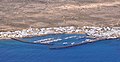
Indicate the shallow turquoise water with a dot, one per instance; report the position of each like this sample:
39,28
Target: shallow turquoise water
103,51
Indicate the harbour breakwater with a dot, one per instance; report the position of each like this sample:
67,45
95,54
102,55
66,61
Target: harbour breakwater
79,44
29,42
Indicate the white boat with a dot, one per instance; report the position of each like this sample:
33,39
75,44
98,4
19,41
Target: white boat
65,43
72,43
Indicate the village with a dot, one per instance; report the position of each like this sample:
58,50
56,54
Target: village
92,32
102,32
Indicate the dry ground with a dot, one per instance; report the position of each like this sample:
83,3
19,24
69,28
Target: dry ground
20,14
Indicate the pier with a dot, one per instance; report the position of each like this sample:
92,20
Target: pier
20,40
78,44
62,47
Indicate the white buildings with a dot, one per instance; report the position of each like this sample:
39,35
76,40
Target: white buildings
108,32
105,32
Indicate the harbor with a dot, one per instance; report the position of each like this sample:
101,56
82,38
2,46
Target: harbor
95,33
50,41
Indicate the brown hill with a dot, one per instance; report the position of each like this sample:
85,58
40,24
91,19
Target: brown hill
20,14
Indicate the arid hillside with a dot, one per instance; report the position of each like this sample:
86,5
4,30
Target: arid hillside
20,14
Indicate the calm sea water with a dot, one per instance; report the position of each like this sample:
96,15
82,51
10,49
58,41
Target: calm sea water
103,51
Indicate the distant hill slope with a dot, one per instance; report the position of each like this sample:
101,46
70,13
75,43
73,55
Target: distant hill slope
20,14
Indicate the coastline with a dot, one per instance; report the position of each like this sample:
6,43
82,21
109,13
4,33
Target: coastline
32,32
92,32
36,36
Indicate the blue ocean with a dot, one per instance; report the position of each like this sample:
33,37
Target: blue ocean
102,51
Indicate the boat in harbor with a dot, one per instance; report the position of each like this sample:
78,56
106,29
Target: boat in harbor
72,43
65,43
